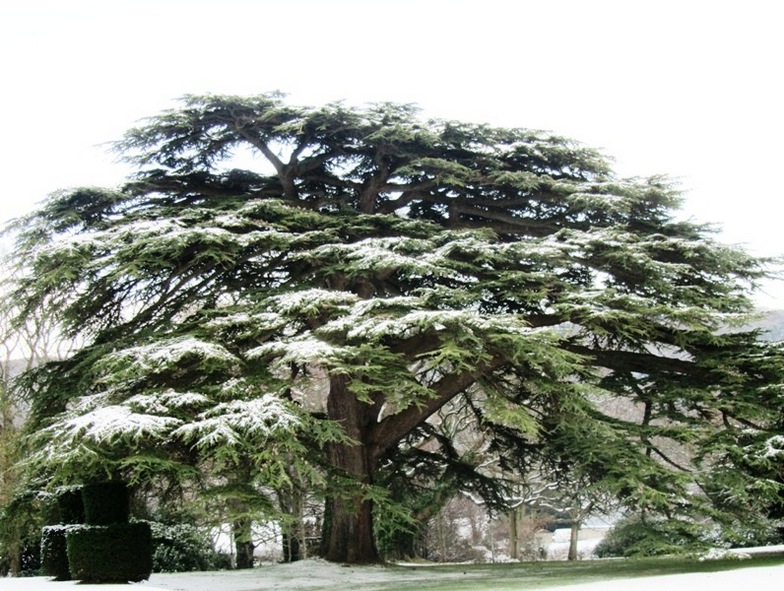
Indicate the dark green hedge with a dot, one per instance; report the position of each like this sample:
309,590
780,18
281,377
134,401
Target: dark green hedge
70,506
106,503
115,553
54,556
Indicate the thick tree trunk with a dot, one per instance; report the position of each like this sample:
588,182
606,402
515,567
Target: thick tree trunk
349,533
348,518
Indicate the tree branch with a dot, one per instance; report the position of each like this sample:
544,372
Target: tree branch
633,361
385,434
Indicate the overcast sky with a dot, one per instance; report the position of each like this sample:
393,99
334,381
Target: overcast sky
688,88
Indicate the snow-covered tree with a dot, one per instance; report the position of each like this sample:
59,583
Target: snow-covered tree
369,269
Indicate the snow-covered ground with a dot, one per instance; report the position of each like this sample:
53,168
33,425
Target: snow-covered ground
313,574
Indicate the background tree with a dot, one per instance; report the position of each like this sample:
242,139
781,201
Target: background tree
393,264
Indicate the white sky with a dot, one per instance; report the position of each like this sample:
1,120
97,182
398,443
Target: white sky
690,88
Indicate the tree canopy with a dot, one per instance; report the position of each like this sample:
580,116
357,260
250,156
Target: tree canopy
281,284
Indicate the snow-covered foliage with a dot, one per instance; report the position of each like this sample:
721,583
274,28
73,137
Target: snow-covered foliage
109,423
167,356
231,423
161,419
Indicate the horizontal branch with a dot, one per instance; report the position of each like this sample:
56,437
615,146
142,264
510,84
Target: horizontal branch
644,363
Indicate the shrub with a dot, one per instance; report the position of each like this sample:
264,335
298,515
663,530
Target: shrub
54,555
106,503
634,536
70,506
184,547
115,553
30,558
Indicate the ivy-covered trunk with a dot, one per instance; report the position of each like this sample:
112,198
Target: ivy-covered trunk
348,518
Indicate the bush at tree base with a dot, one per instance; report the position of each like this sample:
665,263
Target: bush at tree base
634,536
31,559
183,547
115,553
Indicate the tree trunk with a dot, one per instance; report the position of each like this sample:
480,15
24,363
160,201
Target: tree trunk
514,535
348,517
243,542
573,537
291,501
349,535
292,549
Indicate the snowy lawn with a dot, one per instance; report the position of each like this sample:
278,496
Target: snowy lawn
665,574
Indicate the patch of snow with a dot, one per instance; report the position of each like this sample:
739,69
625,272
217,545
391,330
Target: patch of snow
310,301
723,554
106,424
305,349
160,356
559,550
774,446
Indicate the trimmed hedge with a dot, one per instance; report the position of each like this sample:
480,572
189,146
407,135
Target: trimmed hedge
70,505
106,503
116,553
54,556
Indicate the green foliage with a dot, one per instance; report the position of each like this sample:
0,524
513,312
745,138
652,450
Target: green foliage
184,547
116,553
634,536
21,520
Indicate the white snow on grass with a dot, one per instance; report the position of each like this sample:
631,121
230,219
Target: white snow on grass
319,575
